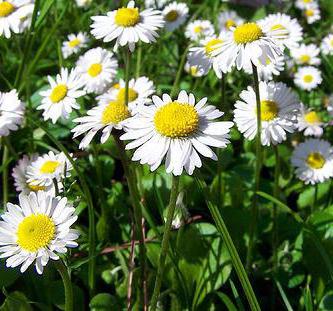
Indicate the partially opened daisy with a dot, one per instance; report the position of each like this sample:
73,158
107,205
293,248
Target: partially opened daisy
279,107
199,29
229,19
61,98
128,26
194,70
308,78
311,13
104,118
48,168
301,4
247,43
97,68
11,112
306,55
179,130
310,122
327,45
175,14
313,161
36,230
289,28
74,44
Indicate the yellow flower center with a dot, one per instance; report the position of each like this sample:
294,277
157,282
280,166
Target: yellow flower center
49,167
176,120
269,110
171,16
95,70
304,59
127,17
312,117
307,1
132,95
115,112
35,188
247,32
315,160
116,86
194,70
309,12
35,232
58,93
6,8
198,29
212,45
74,43
229,23
331,43
308,78
278,27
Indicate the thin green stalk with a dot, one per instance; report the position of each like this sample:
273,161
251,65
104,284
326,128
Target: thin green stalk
65,276
56,188
138,61
254,216
4,174
330,194
179,73
165,242
274,215
315,199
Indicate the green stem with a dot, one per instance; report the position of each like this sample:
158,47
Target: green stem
165,242
65,276
56,188
274,215
179,73
138,61
315,198
4,174
254,216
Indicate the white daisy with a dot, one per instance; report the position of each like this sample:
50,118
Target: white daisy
48,168
289,28
194,71
74,44
26,15
311,13
175,14
104,117
139,92
83,3
327,44
203,55
313,161
60,99
306,55
247,43
128,26
310,122
229,19
177,129
199,29
301,4
11,112
21,181
13,13
308,78
279,107
97,67
36,230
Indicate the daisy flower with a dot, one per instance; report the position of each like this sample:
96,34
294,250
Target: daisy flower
26,15
310,122
245,44
175,14
60,99
21,181
97,68
313,161
307,78
301,4
74,44
279,106
194,71
203,56
11,112
199,29
83,3
289,28
36,230
48,168
311,13
139,92
179,130
306,55
13,14
104,117
327,45
229,19
128,26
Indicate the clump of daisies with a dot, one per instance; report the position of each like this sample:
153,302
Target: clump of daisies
74,44
308,78
37,230
199,29
228,20
313,160
306,55
310,122
11,112
175,14
127,26
279,107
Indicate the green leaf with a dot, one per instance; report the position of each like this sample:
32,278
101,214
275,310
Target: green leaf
16,301
227,302
103,302
47,4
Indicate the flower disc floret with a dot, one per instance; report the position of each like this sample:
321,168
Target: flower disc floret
58,93
315,160
212,45
95,70
6,8
127,17
132,95
247,33
312,117
269,110
115,112
49,167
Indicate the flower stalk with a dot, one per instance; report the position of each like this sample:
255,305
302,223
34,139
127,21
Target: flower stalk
65,276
